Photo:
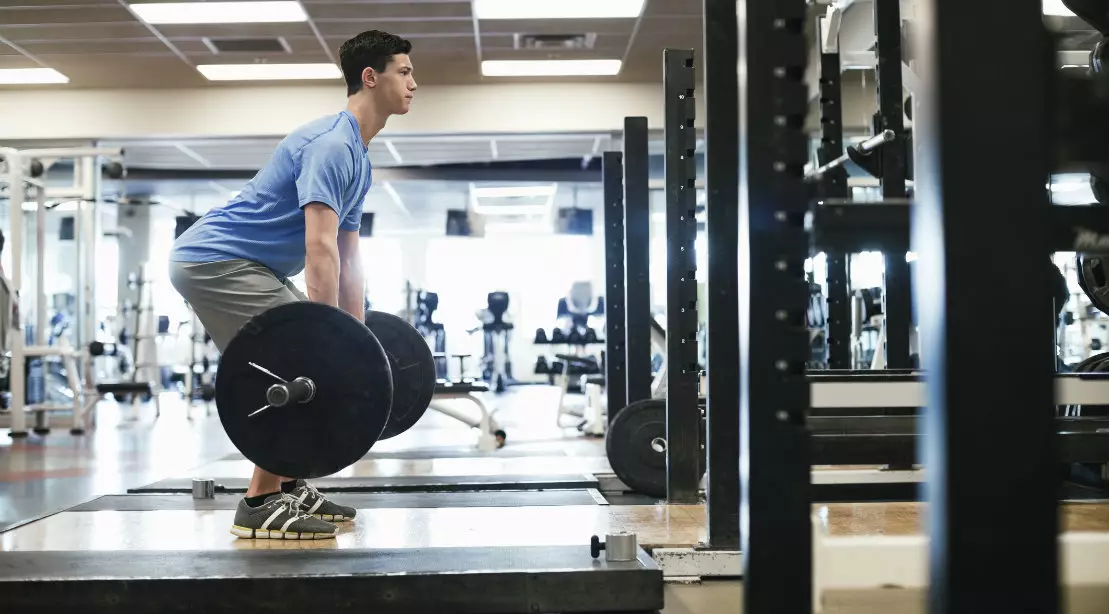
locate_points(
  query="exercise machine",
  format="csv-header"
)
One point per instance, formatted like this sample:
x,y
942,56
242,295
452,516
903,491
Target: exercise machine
x,y
496,329
424,321
24,171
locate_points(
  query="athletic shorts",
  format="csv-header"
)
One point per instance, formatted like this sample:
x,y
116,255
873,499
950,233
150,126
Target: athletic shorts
x,y
227,294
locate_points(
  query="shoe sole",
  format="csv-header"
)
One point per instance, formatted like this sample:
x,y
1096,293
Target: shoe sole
x,y
245,533
332,517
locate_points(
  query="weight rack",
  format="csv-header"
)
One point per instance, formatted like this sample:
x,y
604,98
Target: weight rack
x,y
683,373
722,212
977,560
637,259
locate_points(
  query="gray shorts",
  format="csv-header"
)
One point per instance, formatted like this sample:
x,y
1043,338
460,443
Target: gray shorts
x,y
227,294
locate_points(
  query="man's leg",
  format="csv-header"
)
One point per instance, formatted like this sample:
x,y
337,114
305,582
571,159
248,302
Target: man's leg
x,y
225,296
311,499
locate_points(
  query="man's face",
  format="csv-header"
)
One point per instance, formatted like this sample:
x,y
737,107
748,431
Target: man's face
x,y
396,86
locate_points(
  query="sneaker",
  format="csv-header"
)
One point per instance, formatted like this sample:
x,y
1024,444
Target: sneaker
x,y
314,503
280,517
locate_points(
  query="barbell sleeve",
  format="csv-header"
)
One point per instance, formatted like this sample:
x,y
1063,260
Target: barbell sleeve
x,y
300,390
865,148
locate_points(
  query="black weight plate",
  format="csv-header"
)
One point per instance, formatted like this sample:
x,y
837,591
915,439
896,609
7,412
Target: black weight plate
x,y
354,390
631,454
1093,277
413,368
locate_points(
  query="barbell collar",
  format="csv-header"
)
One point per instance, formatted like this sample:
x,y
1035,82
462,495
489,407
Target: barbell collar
x,y
300,390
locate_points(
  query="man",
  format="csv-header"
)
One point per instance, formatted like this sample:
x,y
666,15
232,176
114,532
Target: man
x,y
300,212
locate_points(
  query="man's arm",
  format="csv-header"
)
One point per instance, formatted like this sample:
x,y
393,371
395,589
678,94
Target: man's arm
x,y
352,284
321,258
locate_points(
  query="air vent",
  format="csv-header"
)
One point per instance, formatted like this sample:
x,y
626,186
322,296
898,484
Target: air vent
x,y
247,45
555,42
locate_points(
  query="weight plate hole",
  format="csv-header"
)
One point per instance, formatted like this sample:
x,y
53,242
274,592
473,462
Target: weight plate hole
x,y
658,444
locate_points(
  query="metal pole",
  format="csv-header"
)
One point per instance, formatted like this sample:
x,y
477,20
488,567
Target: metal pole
x,y
683,373
898,289
616,374
18,369
774,346
40,268
981,561
637,257
722,228
833,184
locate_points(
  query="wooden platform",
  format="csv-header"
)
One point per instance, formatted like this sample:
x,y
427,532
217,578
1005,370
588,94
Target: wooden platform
x,y
656,525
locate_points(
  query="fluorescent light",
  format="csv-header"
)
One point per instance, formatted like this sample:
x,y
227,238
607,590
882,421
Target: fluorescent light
x,y
31,76
550,68
558,9
514,191
268,72
220,12
1057,8
514,228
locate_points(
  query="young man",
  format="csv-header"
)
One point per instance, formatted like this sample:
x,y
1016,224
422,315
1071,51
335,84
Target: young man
x,y
300,212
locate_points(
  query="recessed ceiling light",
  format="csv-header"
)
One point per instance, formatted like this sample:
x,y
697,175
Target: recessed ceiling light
x,y
162,13
550,68
1057,8
269,72
558,9
31,76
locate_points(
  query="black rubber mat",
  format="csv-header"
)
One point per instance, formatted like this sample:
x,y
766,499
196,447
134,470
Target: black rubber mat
x,y
485,580
521,498
432,453
454,483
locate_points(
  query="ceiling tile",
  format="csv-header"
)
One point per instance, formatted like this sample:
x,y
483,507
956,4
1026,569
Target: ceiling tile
x,y
235,30
63,14
558,26
656,8
414,11
16,61
408,29
94,31
126,72
123,46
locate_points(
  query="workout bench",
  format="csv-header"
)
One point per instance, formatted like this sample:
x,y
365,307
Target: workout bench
x,y
490,435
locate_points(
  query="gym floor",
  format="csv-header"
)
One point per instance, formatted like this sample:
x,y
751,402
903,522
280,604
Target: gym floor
x,y
40,476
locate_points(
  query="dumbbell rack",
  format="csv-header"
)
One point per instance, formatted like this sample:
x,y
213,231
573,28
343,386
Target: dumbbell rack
x,y
560,373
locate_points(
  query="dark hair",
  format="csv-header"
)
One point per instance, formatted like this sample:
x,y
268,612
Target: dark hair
x,y
370,49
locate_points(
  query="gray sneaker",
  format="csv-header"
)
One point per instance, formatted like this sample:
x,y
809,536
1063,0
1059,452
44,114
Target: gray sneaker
x,y
314,503
280,517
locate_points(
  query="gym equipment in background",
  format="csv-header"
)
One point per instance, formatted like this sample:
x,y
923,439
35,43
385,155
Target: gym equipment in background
x,y
426,304
496,330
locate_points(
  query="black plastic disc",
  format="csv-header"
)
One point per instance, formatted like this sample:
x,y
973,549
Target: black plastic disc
x,y
1093,278
631,443
354,390
413,367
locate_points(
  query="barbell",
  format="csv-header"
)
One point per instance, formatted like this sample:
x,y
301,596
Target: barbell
x,y
304,389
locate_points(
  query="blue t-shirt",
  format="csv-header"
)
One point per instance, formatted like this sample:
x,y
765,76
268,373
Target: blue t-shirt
x,y
324,161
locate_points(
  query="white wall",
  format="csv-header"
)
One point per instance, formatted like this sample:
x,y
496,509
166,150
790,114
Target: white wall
x,y
274,111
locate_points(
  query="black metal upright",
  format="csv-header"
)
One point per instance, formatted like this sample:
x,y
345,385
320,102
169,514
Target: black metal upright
x,y
616,375
773,296
722,209
983,561
898,308
683,373
637,254
833,184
